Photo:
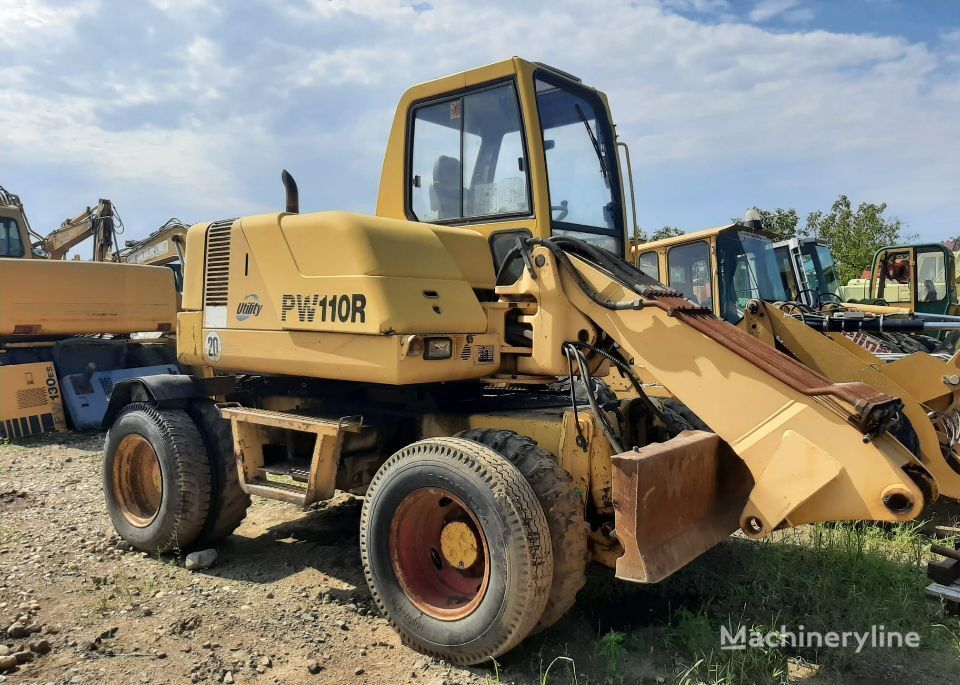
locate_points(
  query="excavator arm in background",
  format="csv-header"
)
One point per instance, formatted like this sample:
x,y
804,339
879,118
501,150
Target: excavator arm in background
x,y
163,246
927,386
96,222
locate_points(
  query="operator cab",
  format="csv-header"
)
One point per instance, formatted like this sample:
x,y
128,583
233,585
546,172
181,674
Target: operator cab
x,y
807,271
917,276
513,149
720,269
14,236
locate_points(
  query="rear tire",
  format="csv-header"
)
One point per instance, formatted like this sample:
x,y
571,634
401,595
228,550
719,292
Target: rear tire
x,y
156,478
228,501
563,507
487,604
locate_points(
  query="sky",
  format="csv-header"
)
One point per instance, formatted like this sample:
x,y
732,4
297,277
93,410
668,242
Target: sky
x,y
191,108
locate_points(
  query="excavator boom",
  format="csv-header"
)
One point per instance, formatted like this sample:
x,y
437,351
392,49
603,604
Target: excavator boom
x,y
96,222
813,450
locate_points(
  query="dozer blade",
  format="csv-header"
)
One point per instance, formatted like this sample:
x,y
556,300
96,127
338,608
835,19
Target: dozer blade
x,y
674,501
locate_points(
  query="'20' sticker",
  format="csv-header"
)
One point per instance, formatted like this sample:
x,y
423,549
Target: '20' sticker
x,y
212,346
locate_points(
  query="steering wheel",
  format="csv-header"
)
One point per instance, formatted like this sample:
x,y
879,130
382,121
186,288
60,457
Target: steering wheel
x,y
806,290
833,295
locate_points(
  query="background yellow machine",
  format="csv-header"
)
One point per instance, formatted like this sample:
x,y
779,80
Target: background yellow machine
x,y
64,324
737,272
414,357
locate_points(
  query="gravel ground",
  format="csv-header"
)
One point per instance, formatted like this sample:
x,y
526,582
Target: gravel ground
x,y
284,603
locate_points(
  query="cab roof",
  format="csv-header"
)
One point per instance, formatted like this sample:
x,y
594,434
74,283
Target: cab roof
x,y
697,235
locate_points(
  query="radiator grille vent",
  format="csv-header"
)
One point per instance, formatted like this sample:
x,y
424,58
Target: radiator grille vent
x,y
31,398
217,277
107,384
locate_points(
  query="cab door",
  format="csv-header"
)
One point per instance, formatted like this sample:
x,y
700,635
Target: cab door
x,y
934,280
893,280
469,164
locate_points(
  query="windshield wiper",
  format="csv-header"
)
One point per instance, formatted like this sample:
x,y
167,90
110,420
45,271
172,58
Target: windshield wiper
x,y
596,144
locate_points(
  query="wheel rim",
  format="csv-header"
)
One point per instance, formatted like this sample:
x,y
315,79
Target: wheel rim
x,y
439,554
137,481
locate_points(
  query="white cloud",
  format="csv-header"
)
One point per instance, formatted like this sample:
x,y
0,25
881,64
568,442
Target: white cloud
x,y
210,118
357,66
181,6
765,10
24,21
703,6
63,133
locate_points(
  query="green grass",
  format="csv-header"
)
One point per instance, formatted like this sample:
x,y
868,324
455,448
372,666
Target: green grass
x,y
610,652
825,578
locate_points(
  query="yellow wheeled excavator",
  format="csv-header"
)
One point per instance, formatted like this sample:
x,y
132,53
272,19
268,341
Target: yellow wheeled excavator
x,y
414,357
65,325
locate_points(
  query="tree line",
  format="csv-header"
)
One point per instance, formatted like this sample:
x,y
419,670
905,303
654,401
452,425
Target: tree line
x,y
853,234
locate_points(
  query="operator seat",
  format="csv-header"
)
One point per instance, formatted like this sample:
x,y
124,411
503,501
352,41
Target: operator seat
x,y
445,189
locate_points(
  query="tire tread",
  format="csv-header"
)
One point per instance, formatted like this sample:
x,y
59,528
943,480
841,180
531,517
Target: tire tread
x,y
526,519
564,510
188,453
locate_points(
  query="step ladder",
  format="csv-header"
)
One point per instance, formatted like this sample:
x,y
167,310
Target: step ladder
x,y
255,428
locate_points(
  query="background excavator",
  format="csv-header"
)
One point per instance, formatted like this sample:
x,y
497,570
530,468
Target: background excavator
x,y
163,247
414,357
65,325
97,223
740,274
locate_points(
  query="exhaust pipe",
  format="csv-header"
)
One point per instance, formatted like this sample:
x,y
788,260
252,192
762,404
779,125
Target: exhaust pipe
x,y
293,195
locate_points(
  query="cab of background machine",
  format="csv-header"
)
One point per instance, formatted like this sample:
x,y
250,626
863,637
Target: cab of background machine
x,y
509,150
921,277
14,233
720,269
807,270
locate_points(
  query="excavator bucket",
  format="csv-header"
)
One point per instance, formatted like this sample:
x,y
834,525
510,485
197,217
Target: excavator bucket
x,y
675,500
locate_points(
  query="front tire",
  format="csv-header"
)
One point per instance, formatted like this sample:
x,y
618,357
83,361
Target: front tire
x,y
456,549
156,478
563,508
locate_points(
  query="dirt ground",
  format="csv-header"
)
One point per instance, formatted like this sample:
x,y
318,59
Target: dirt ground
x,y
285,603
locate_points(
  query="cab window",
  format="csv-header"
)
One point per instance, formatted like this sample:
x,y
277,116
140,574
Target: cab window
x,y
10,244
785,269
931,276
689,271
649,264
896,278
580,153
468,159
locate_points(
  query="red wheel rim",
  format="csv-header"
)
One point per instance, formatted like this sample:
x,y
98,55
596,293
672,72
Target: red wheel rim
x,y
439,554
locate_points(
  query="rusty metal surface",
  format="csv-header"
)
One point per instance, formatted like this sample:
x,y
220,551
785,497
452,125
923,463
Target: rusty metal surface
x,y
253,428
674,501
869,404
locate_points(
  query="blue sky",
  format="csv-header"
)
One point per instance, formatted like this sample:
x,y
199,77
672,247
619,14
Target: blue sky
x,y
190,108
